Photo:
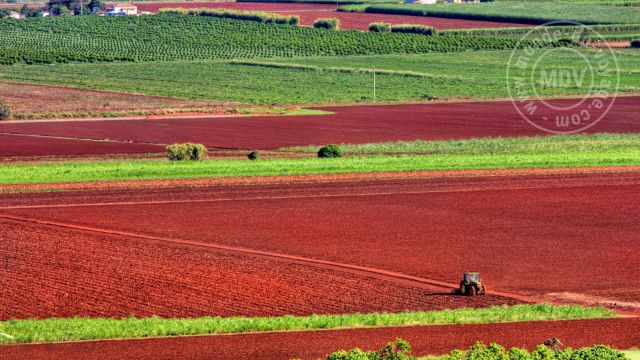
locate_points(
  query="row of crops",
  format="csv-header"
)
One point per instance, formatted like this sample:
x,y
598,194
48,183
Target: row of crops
x,y
514,12
182,37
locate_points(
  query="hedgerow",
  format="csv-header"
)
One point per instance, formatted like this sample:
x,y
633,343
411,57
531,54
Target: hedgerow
x,y
330,24
413,29
379,27
259,16
540,30
167,37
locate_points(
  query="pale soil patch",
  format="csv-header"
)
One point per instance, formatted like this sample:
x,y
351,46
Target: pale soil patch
x,y
45,99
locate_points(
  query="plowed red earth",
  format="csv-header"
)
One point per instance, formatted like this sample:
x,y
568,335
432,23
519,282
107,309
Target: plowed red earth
x,y
54,272
350,124
14,145
361,21
621,333
154,7
563,229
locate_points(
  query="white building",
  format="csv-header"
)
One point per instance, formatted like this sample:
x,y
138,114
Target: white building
x,y
122,10
420,1
15,15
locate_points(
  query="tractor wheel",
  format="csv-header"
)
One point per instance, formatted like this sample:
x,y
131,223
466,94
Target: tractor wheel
x,y
463,290
483,290
472,290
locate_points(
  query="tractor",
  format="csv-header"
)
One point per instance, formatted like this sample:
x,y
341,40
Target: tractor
x,y
471,285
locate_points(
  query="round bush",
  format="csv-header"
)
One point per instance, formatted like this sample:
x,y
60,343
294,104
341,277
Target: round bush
x,y
254,155
186,151
330,151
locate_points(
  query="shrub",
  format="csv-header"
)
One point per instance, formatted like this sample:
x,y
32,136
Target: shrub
x,y
331,24
395,350
635,43
330,151
254,155
379,27
542,352
5,111
414,29
186,151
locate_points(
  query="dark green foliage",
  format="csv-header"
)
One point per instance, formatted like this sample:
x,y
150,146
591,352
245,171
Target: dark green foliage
x,y
481,351
395,350
379,27
259,16
413,29
186,151
635,43
29,12
167,37
330,151
329,24
60,10
77,7
254,155
5,111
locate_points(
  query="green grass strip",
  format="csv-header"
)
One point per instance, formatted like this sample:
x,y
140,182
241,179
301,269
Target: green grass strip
x,y
56,172
70,329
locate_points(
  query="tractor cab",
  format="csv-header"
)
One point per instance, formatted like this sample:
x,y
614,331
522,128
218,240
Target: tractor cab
x,y
471,278
471,285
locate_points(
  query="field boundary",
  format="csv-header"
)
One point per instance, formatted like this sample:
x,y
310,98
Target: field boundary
x,y
385,275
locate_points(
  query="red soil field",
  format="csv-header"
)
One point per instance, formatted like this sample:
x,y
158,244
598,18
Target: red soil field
x,y
349,124
154,7
530,235
425,340
310,12
53,272
361,21
14,146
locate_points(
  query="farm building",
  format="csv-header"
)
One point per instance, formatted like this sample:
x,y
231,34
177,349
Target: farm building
x,y
122,10
15,15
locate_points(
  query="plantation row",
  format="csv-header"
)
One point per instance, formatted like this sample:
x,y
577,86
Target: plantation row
x,y
524,13
182,37
603,29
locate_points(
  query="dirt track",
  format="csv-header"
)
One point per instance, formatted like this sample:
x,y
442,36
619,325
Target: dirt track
x,y
349,124
622,333
524,225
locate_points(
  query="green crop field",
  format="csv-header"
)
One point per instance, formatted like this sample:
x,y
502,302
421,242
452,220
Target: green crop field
x,y
518,12
603,150
183,37
479,74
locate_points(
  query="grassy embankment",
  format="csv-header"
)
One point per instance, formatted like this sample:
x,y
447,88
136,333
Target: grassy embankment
x,y
500,153
70,329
